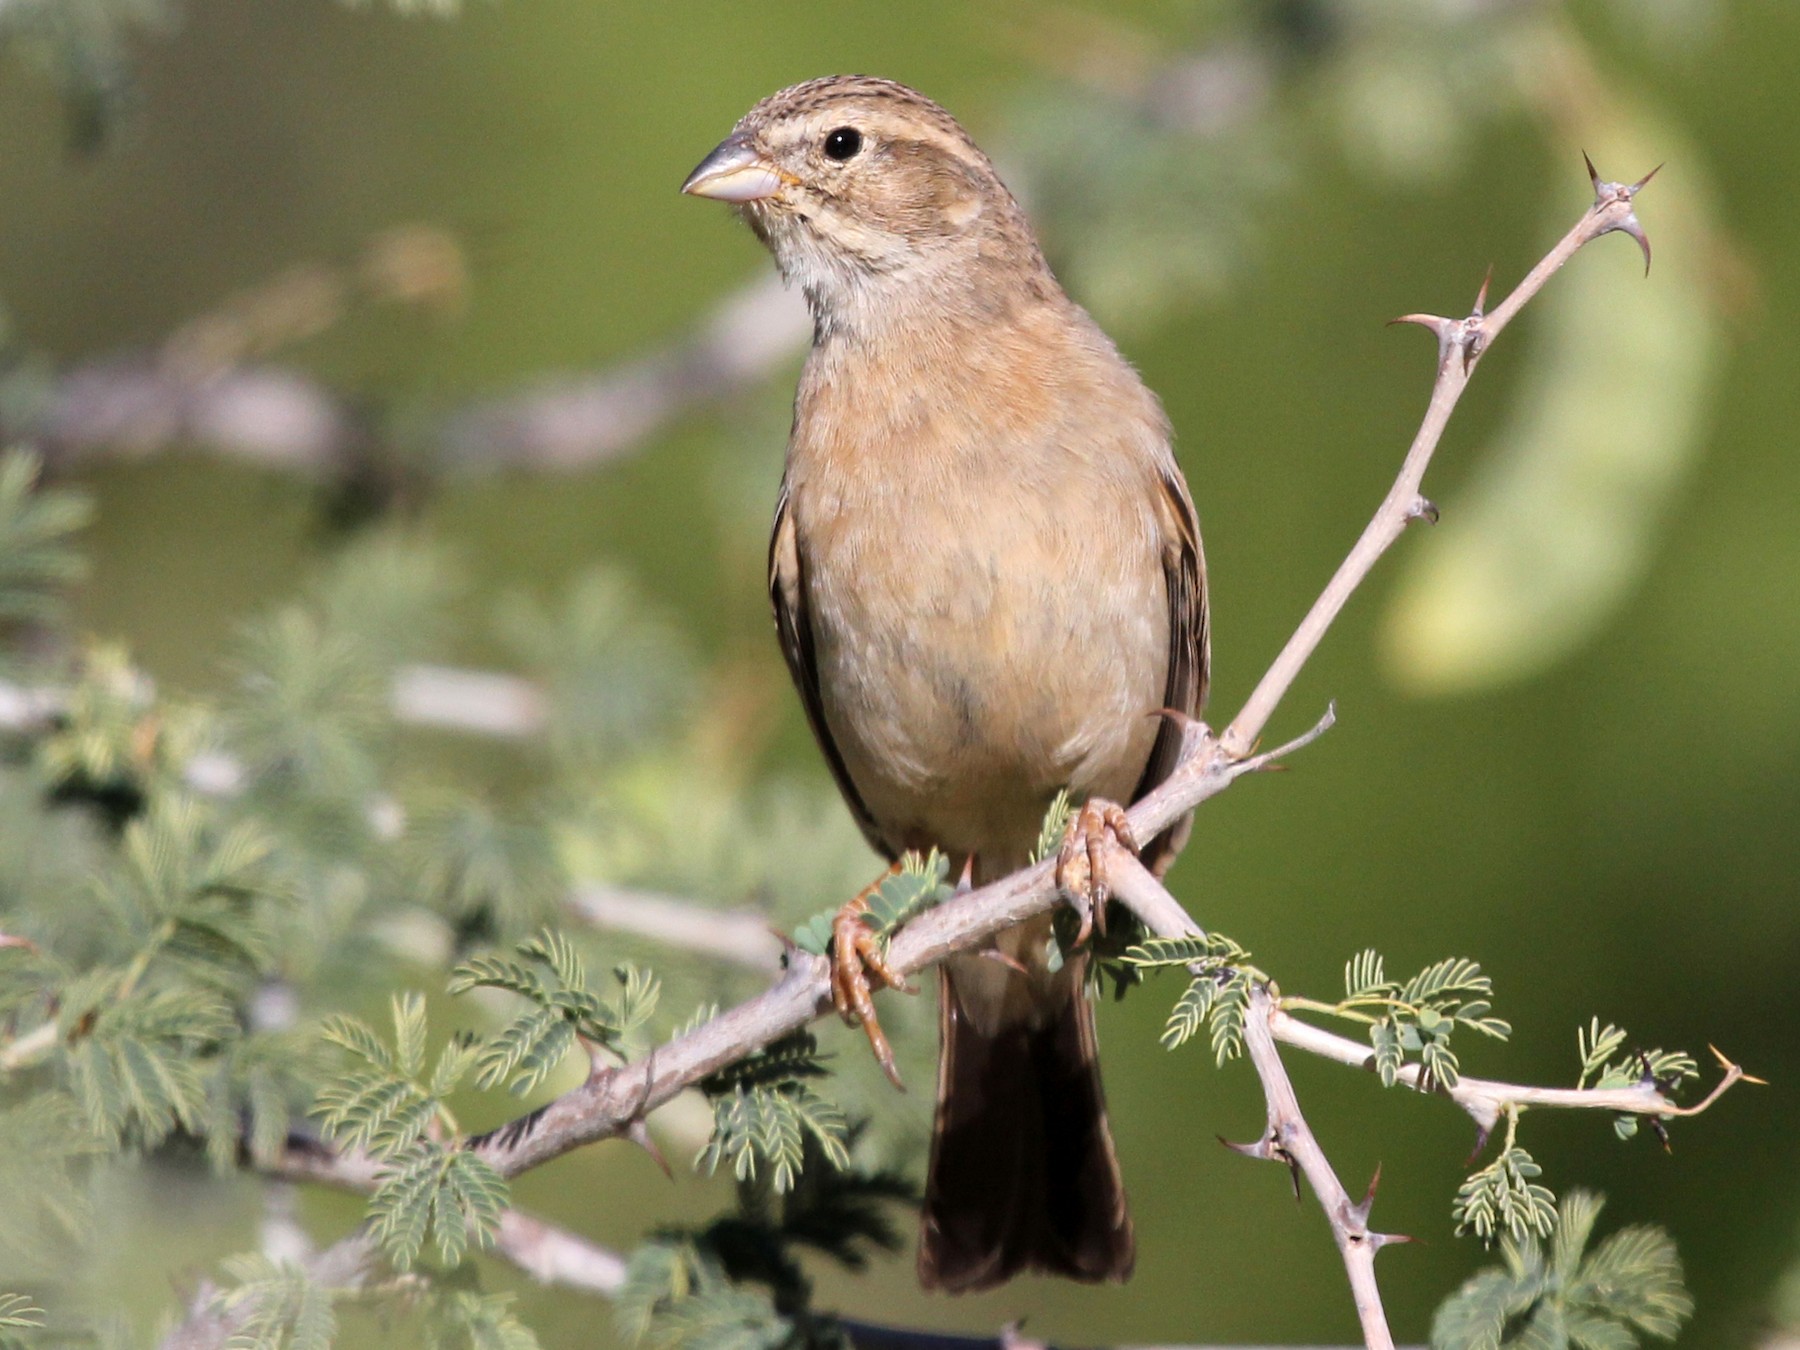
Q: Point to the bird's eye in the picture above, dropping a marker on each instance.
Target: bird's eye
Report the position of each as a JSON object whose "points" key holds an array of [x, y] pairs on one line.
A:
{"points": [[843, 143]]}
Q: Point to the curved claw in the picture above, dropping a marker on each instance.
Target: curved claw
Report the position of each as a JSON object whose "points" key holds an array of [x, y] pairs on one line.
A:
{"points": [[857, 954], [1081, 861]]}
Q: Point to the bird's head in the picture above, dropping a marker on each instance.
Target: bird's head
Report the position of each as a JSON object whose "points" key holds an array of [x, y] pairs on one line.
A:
{"points": [[862, 188]]}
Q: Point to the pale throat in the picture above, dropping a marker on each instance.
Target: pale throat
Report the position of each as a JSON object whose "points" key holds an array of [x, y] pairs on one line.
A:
{"points": [[879, 290]]}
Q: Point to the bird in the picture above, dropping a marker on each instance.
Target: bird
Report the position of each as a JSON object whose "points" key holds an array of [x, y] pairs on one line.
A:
{"points": [[988, 585]]}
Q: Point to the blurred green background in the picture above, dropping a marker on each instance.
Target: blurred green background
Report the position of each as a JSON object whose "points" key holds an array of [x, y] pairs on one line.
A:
{"points": [[1569, 738]]}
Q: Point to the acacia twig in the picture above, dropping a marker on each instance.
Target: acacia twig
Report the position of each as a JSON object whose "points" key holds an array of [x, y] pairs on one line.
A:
{"points": [[1461, 344], [1290, 1140], [1486, 1100]]}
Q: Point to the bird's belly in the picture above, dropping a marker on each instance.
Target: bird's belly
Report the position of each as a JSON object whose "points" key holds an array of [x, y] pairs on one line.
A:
{"points": [[967, 687]]}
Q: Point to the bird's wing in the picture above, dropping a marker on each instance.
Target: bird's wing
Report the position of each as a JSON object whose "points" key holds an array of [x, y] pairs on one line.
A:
{"points": [[793, 625], [1184, 577]]}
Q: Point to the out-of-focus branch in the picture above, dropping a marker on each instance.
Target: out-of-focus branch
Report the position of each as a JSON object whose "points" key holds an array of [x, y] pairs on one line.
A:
{"points": [[741, 937], [552, 1255], [474, 702], [136, 406], [573, 424]]}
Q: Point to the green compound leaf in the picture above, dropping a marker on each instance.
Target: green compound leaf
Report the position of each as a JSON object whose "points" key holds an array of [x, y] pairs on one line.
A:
{"points": [[276, 1306], [1190, 1011], [1456, 976], [37, 565], [764, 1112], [386, 1103], [1229, 1009], [1384, 1036], [1503, 1199], [1212, 950], [450, 1194], [920, 884], [1599, 1299], [553, 977], [1364, 976]]}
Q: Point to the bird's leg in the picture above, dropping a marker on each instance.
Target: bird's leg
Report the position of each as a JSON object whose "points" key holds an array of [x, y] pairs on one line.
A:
{"points": [[857, 953], [1081, 861]]}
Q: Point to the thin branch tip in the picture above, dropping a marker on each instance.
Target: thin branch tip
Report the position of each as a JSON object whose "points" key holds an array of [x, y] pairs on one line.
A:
{"points": [[1729, 1066]]}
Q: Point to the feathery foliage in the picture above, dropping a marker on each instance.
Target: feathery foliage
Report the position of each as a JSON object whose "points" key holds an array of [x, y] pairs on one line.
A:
{"points": [[467, 1319], [1505, 1199], [1218, 991], [1412, 1020], [765, 1114], [677, 1296], [1055, 826], [1570, 1297], [37, 562], [392, 1107], [1602, 1066], [18, 1314], [553, 977], [738, 1280], [616, 676], [113, 745], [44, 1147], [276, 1306], [483, 872]]}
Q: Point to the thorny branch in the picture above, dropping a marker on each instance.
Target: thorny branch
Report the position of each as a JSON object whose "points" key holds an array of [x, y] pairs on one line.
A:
{"points": [[1290, 1140], [614, 1101]]}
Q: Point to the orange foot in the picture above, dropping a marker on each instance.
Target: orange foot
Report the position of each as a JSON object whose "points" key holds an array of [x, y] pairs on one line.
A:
{"points": [[1081, 861], [856, 954]]}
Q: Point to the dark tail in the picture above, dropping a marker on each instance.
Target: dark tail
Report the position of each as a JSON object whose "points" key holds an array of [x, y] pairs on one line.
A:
{"points": [[1023, 1175]]}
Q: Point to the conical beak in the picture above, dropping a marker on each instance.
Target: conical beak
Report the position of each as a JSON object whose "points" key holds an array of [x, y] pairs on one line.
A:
{"points": [[733, 173]]}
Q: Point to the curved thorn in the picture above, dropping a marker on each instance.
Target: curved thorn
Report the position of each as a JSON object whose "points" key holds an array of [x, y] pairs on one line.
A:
{"points": [[1593, 173], [1632, 227], [1259, 1150]]}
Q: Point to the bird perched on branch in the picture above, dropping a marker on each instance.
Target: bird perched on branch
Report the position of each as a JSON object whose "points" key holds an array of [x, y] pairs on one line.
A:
{"points": [[987, 581]]}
